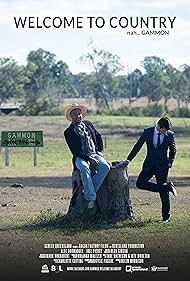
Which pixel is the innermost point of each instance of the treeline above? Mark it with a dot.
(44, 82)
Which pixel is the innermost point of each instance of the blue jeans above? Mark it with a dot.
(92, 184)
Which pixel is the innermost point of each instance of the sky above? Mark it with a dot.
(69, 44)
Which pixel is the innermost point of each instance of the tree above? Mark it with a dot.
(155, 79)
(12, 79)
(63, 82)
(83, 84)
(185, 83)
(134, 84)
(171, 84)
(105, 66)
(49, 82)
(120, 86)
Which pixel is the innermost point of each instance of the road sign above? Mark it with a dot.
(22, 139)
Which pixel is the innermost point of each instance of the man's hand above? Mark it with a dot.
(123, 164)
(93, 162)
(169, 164)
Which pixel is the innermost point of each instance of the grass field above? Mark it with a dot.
(28, 216)
(30, 221)
(119, 133)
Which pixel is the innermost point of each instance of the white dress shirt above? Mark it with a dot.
(155, 137)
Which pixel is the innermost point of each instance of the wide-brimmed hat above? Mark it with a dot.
(70, 107)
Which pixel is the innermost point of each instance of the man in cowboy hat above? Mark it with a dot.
(86, 145)
(159, 140)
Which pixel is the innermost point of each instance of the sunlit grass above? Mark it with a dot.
(55, 158)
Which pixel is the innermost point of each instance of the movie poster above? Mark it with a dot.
(122, 65)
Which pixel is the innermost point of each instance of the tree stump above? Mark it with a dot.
(113, 198)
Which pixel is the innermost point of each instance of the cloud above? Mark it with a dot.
(70, 44)
(42, 8)
(158, 3)
(34, 8)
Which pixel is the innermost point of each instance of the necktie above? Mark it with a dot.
(158, 140)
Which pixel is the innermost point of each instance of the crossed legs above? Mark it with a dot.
(92, 184)
(161, 178)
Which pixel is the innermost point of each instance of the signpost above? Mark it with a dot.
(21, 139)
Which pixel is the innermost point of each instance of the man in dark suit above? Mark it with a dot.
(159, 140)
(86, 145)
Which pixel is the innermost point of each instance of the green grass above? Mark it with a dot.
(145, 225)
(167, 244)
(136, 121)
(26, 227)
(56, 124)
(146, 222)
(55, 158)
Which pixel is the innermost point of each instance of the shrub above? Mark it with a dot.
(153, 110)
(116, 112)
(136, 111)
(184, 112)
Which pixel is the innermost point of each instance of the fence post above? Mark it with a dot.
(6, 156)
(105, 142)
(35, 156)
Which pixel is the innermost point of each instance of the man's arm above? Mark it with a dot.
(137, 147)
(133, 152)
(74, 147)
(99, 141)
(172, 151)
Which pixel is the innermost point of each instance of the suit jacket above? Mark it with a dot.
(156, 157)
(74, 141)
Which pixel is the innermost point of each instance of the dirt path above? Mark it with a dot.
(42, 194)
(65, 182)
(20, 246)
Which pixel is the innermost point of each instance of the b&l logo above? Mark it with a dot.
(44, 269)
(53, 268)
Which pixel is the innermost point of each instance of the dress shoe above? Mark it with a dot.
(172, 188)
(90, 204)
(165, 221)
